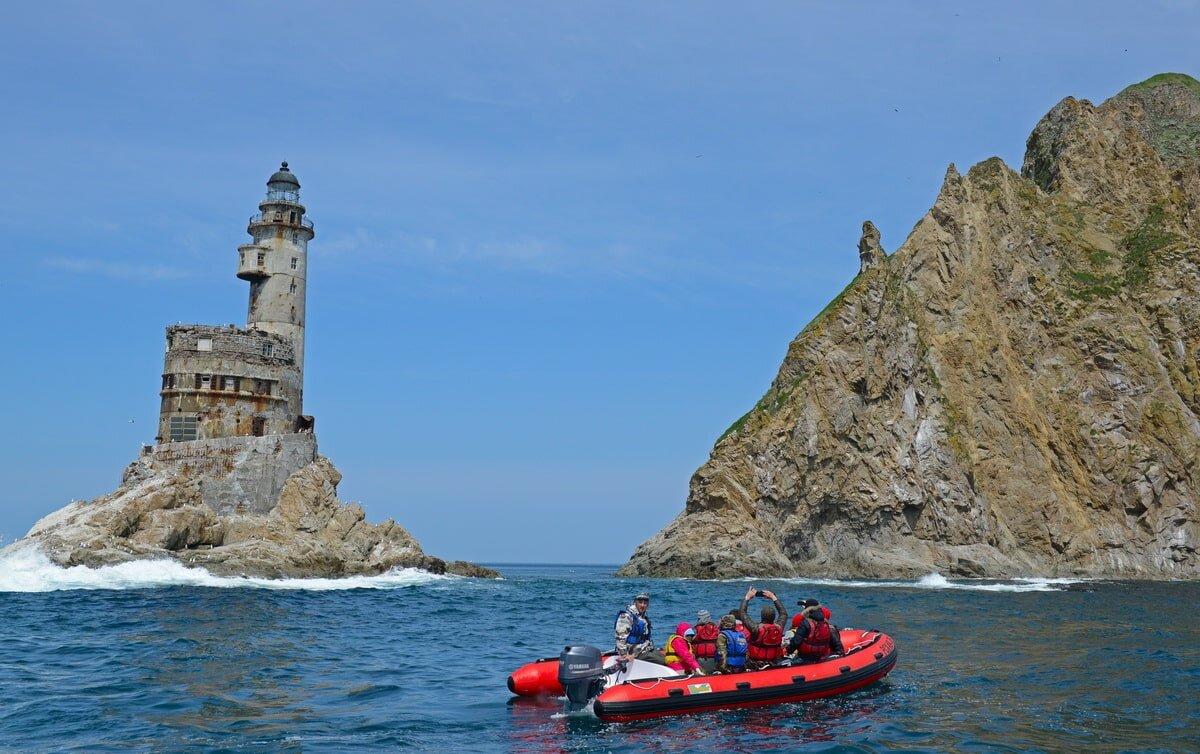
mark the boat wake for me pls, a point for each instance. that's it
(26, 569)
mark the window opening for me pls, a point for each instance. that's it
(182, 428)
(293, 263)
(230, 383)
(268, 349)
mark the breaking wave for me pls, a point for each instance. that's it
(938, 581)
(26, 569)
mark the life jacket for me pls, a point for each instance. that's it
(638, 632)
(816, 644)
(767, 643)
(669, 654)
(705, 643)
(736, 648)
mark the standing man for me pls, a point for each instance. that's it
(766, 638)
(632, 630)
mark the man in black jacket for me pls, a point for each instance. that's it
(815, 638)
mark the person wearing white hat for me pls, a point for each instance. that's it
(633, 628)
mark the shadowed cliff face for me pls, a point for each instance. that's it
(1014, 392)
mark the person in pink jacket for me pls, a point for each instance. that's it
(678, 651)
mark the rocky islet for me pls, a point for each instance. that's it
(1014, 392)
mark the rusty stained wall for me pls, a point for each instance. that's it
(237, 475)
(261, 396)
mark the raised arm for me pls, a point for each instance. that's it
(780, 611)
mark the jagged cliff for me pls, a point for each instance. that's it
(1013, 392)
(216, 506)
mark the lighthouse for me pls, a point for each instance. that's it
(228, 381)
(276, 262)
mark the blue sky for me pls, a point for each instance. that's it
(560, 247)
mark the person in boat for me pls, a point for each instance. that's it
(787, 635)
(741, 627)
(731, 647)
(632, 630)
(813, 603)
(766, 637)
(816, 638)
(704, 645)
(798, 617)
(678, 652)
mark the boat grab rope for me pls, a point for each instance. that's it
(645, 688)
(864, 642)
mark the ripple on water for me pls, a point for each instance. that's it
(197, 668)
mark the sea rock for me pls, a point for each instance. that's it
(160, 511)
(1014, 392)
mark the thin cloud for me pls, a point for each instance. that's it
(549, 258)
(116, 270)
(528, 254)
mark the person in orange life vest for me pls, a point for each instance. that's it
(704, 645)
(766, 638)
(678, 652)
(816, 638)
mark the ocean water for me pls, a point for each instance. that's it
(155, 657)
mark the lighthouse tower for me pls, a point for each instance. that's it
(276, 261)
(229, 382)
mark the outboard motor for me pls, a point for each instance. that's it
(581, 673)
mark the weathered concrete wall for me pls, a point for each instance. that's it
(242, 375)
(277, 282)
(237, 475)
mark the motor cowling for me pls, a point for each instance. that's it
(581, 673)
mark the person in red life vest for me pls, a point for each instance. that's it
(812, 603)
(798, 617)
(787, 635)
(704, 644)
(766, 638)
(816, 638)
(678, 652)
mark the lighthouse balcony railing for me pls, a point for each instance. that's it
(277, 217)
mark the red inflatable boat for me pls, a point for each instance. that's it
(648, 690)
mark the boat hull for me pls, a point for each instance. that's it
(871, 655)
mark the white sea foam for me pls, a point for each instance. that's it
(26, 569)
(938, 581)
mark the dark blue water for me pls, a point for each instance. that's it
(419, 664)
